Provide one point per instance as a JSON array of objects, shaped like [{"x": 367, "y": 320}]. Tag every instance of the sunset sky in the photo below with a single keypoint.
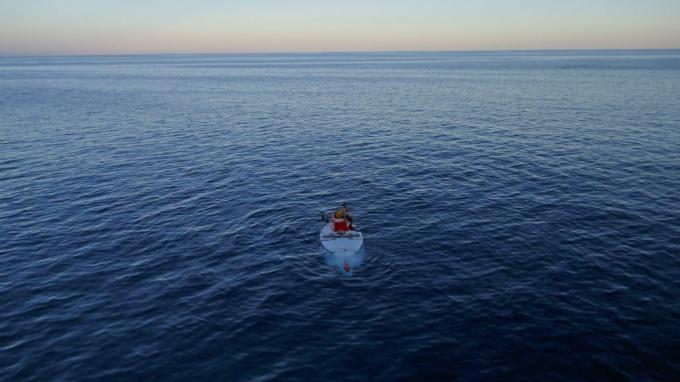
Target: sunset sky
[{"x": 211, "y": 26}]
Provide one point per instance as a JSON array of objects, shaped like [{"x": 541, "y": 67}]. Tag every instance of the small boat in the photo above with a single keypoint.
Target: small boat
[{"x": 338, "y": 235}]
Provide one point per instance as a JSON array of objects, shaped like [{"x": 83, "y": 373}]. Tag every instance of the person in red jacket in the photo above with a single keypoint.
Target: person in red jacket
[{"x": 341, "y": 220}]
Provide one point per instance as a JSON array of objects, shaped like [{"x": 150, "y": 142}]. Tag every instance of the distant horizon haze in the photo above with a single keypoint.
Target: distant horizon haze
[
  {"x": 332, "y": 52},
  {"x": 42, "y": 27}
]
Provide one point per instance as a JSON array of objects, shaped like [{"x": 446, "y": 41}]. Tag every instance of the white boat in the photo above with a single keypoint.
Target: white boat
[{"x": 347, "y": 242}]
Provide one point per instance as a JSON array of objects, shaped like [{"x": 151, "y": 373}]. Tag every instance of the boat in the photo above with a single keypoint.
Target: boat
[{"x": 339, "y": 235}]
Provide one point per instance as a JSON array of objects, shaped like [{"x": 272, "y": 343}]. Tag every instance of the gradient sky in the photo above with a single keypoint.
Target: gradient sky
[{"x": 185, "y": 26}]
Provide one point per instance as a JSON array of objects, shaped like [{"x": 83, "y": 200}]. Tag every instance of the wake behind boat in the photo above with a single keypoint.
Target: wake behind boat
[{"x": 339, "y": 235}]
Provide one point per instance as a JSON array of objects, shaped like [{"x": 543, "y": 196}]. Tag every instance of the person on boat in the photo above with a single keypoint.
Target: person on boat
[
  {"x": 339, "y": 222},
  {"x": 340, "y": 219}
]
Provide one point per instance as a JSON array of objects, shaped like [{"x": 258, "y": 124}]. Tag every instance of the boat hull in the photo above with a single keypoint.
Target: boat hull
[{"x": 348, "y": 242}]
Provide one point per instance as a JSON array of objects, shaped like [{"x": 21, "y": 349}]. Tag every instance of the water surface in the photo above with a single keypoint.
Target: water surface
[{"x": 521, "y": 212}]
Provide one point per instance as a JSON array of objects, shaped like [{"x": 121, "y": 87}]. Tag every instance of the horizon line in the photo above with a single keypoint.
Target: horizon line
[{"x": 301, "y": 52}]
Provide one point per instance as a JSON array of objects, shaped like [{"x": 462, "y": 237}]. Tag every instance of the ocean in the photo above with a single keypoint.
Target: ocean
[{"x": 160, "y": 217}]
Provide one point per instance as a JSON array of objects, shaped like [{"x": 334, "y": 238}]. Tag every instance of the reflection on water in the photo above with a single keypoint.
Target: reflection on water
[{"x": 346, "y": 262}]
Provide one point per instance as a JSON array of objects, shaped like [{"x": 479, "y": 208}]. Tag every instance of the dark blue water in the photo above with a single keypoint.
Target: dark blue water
[{"x": 159, "y": 217}]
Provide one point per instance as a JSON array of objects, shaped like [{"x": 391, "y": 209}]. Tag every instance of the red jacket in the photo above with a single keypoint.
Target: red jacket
[{"x": 339, "y": 225}]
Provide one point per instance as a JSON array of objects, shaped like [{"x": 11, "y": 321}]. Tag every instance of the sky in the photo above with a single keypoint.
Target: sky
[{"x": 210, "y": 26}]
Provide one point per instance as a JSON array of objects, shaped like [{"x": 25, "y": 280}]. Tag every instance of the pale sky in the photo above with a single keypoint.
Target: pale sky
[{"x": 212, "y": 26}]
